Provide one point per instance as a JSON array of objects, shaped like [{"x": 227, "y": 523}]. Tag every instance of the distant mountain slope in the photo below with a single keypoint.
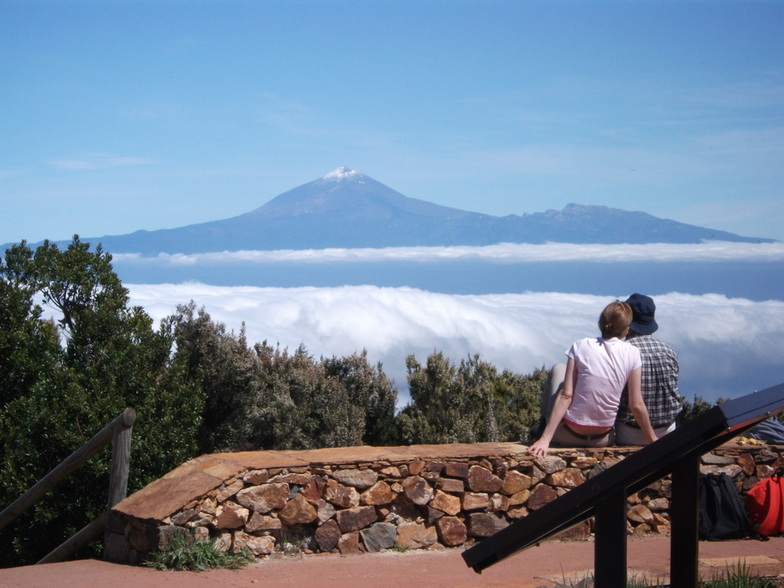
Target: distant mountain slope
[{"x": 347, "y": 209}]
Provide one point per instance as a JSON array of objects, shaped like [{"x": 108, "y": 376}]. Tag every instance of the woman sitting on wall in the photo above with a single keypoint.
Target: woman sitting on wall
[{"x": 585, "y": 394}]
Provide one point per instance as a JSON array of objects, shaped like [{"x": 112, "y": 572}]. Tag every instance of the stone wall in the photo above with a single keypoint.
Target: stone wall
[{"x": 391, "y": 501}]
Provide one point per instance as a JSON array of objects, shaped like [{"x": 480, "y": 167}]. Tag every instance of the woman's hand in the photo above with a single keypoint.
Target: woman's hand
[{"x": 539, "y": 448}]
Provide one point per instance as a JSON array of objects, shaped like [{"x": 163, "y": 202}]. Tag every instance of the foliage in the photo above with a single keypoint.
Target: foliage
[
  {"x": 692, "y": 410},
  {"x": 71, "y": 375},
  {"x": 197, "y": 556},
  {"x": 74, "y": 355},
  {"x": 468, "y": 403},
  {"x": 737, "y": 576},
  {"x": 268, "y": 398}
]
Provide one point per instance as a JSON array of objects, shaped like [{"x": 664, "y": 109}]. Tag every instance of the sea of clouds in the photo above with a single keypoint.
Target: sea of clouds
[
  {"x": 727, "y": 346},
  {"x": 710, "y": 251},
  {"x": 721, "y": 305}
]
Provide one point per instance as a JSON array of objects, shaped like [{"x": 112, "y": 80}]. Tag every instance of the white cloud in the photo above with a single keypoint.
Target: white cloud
[
  {"x": 728, "y": 347},
  {"x": 503, "y": 253},
  {"x": 92, "y": 161}
]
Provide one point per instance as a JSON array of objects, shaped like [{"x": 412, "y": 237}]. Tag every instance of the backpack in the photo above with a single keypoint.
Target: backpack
[
  {"x": 765, "y": 505},
  {"x": 722, "y": 513}
]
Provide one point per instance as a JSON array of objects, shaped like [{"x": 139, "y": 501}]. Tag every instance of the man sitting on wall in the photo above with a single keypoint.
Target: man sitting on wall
[{"x": 659, "y": 377}]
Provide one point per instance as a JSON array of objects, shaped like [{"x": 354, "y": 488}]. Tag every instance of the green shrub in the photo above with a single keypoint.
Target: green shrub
[{"x": 196, "y": 556}]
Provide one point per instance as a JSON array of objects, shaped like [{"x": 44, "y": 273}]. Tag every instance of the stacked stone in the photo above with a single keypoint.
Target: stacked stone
[
  {"x": 444, "y": 502},
  {"x": 376, "y": 506}
]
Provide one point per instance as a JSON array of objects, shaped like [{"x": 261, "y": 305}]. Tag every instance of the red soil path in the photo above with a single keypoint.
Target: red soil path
[{"x": 542, "y": 566}]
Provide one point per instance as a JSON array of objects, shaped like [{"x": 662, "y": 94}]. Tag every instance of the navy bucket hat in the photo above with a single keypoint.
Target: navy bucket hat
[{"x": 643, "y": 321}]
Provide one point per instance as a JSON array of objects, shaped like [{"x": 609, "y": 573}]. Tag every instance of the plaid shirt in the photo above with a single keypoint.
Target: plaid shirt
[{"x": 659, "y": 383}]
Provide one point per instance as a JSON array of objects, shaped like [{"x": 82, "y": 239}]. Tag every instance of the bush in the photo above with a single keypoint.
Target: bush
[{"x": 182, "y": 553}]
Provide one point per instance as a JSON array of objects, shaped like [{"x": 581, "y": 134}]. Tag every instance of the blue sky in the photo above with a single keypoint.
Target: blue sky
[{"x": 125, "y": 115}]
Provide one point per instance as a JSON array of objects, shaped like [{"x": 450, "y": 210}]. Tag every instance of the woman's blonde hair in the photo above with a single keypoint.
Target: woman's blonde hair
[{"x": 615, "y": 319}]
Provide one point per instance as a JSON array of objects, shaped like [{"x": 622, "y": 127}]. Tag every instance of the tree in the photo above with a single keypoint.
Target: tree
[
  {"x": 109, "y": 358},
  {"x": 467, "y": 403}
]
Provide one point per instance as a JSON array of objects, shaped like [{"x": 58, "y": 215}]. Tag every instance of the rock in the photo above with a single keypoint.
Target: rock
[
  {"x": 713, "y": 459},
  {"x": 415, "y": 536},
  {"x": 417, "y": 490},
  {"x": 579, "y": 532},
  {"x": 551, "y": 464},
  {"x": 356, "y": 478},
  {"x": 515, "y": 482},
  {"x": 483, "y": 480},
  {"x": 640, "y": 514},
  {"x": 456, "y": 469},
  {"x": 313, "y": 491},
  {"x": 764, "y": 471},
  {"x": 517, "y": 513},
  {"x": 208, "y": 506},
  {"x": 325, "y": 510},
  {"x": 227, "y": 492},
  {"x": 327, "y": 535},
  {"x": 451, "y": 485},
  {"x": 746, "y": 463},
  {"x": 566, "y": 478},
  {"x": 415, "y": 467},
  {"x": 183, "y": 517},
  {"x": 353, "y": 519},
  {"x": 256, "y": 477},
  {"x": 392, "y": 472},
  {"x": 433, "y": 514},
  {"x": 541, "y": 495},
  {"x": 475, "y": 501},
  {"x": 223, "y": 542},
  {"x": 452, "y": 531},
  {"x": 584, "y": 462},
  {"x": 263, "y": 545},
  {"x": 658, "y": 504},
  {"x": 298, "y": 511},
  {"x": 231, "y": 515},
  {"x": 446, "y": 503},
  {"x": 432, "y": 470},
  {"x": 349, "y": 544},
  {"x": 500, "y": 503},
  {"x": 342, "y": 496},
  {"x": 378, "y": 536},
  {"x": 519, "y": 498},
  {"x": 642, "y": 530},
  {"x": 289, "y": 478},
  {"x": 378, "y": 494},
  {"x": 259, "y": 523},
  {"x": 484, "y": 524},
  {"x": 264, "y": 498}
]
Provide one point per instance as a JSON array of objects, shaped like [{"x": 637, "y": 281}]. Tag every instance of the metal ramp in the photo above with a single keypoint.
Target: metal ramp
[{"x": 604, "y": 496}]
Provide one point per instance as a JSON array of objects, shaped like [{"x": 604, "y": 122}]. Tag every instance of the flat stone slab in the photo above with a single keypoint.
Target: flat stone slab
[{"x": 196, "y": 477}]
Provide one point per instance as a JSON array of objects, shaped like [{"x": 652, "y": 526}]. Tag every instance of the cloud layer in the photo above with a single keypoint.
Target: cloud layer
[
  {"x": 503, "y": 253},
  {"x": 727, "y": 346}
]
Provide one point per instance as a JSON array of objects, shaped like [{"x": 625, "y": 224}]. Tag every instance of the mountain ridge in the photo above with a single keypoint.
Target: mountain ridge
[{"x": 347, "y": 209}]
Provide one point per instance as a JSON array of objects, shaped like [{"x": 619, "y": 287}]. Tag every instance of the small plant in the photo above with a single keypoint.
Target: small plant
[
  {"x": 738, "y": 576},
  {"x": 196, "y": 556}
]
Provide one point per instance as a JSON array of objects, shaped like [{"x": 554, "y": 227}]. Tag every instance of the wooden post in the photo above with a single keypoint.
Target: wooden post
[
  {"x": 121, "y": 457},
  {"x": 67, "y": 466}
]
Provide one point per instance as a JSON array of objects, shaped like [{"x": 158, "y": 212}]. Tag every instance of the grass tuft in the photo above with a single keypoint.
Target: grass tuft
[{"x": 196, "y": 556}]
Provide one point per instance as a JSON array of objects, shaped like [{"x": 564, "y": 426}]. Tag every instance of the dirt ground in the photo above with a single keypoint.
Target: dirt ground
[{"x": 546, "y": 565}]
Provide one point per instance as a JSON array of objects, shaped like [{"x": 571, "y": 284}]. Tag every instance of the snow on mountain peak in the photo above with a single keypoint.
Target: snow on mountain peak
[{"x": 342, "y": 173}]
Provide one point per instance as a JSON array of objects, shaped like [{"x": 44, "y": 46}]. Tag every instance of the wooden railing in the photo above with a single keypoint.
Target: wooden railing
[{"x": 118, "y": 432}]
